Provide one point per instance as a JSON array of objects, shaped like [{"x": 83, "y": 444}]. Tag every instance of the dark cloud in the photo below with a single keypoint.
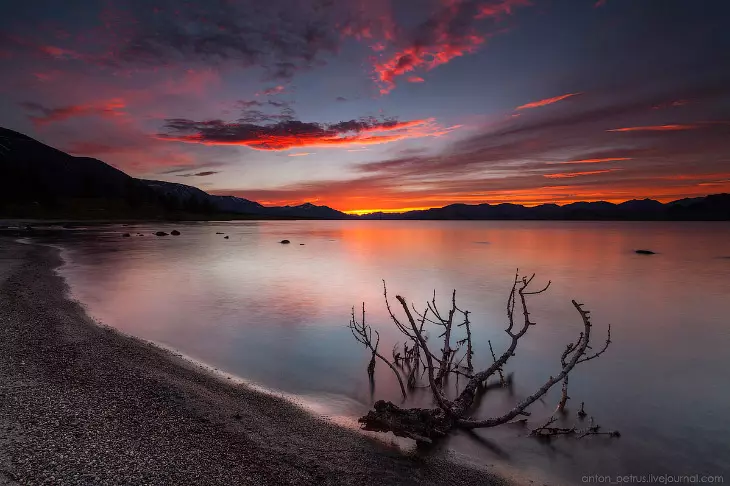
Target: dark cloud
[
  {"x": 200, "y": 174},
  {"x": 283, "y": 135},
  {"x": 281, "y": 37},
  {"x": 244, "y": 104},
  {"x": 279, "y": 104},
  {"x": 42, "y": 115}
]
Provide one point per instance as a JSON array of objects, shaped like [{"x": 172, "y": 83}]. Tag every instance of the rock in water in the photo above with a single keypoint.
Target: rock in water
[
  {"x": 160, "y": 233},
  {"x": 175, "y": 233},
  {"x": 645, "y": 252},
  {"x": 225, "y": 237},
  {"x": 126, "y": 235},
  {"x": 285, "y": 242}
]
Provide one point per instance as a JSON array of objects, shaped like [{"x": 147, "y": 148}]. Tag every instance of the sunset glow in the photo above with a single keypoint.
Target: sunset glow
[{"x": 381, "y": 105}]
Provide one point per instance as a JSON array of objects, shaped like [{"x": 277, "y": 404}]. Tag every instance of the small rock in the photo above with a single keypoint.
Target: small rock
[
  {"x": 160, "y": 233},
  {"x": 225, "y": 237},
  {"x": 219, "y": 233},
  {"x": 301, "y": 244},
  {"x": 175, "y": 233},
  {"x": 285, "y": 242},
  {"x": 126, "y": 235},
  {"x": 238, "y": 416},
  {"x": 645, "y": 252}
]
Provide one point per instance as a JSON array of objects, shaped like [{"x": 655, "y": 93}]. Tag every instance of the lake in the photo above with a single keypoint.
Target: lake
[{"x": 277, "y": 315}]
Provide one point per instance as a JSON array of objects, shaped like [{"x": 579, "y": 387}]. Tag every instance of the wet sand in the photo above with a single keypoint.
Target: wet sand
[{"x": 84, "y": 404}]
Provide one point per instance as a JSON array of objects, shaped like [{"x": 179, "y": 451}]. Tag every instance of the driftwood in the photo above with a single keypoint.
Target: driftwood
[{"x": 452, "y": 412}]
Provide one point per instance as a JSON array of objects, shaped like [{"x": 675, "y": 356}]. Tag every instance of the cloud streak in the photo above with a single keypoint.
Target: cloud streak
[
  {"x": 657, "y": 128},
  {"x": 200, "y": 174},
  {"x": 546, "y": 102},
  {"x": 43, "y": 115},
  {"x": 568, "y": 175},
  {"x": 594, "y": 161}
]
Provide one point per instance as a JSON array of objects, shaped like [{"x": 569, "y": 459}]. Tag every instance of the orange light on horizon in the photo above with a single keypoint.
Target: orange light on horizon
[{"x": 388, "y": 201}]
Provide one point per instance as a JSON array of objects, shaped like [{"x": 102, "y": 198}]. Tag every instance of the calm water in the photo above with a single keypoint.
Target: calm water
[{"x": 277, "y": 314}]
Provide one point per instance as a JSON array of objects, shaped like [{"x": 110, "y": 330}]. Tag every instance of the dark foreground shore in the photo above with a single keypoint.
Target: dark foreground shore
[{"x": 82, "y": 404}]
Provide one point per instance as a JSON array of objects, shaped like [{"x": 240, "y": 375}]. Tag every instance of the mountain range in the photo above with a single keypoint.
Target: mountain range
[{"x": 39, "y": 181}]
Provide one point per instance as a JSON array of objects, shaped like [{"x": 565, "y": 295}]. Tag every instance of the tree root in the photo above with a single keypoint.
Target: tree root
[{"x": 419, "y": 424}]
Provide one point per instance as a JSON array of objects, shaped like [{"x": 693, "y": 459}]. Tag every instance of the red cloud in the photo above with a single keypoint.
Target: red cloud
[
  {"x": 445, "y": 36},
  {"x": 272, "y": 91},
  {"x": 416, "y": 79},
  {"x": 60, "y": 53},
  {"x": 411, "y": 58},
  {"x": 567, "y": 175},
  {"x": 505, "y": 7},
  {"x": 301, "y": 154},
  {"x": 296, "y": 134},
  {"x": 594, "y": 161},
  {"x": 656, "y": 128},
  {"x": 108, "y": 108},
  {"x": 545, "y": 102}
]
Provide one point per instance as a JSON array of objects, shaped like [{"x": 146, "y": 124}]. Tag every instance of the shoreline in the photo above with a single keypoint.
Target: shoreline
[{"x": 82, "y": 403}]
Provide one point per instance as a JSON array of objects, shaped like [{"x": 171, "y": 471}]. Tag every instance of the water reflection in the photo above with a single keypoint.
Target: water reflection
[{"x": 277, "y": 314}]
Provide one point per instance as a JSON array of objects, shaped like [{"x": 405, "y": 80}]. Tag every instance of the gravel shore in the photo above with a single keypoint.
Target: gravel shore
[{"x": 83, "y": 404}]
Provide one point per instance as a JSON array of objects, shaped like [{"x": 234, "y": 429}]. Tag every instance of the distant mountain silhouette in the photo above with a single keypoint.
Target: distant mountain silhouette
[
  {"x": 709, "y": 208},
  {"x": 38, "y": 181},
  {"x": 42, "y": 182}
]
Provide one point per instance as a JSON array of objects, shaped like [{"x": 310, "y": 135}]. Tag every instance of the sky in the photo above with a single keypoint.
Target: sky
[{"x": 367, "y": 105}]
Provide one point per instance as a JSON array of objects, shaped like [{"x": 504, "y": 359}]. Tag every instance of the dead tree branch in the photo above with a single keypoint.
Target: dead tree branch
[
  {"x": 425, "y": 425},
  {"x": 364, "y": 334}
]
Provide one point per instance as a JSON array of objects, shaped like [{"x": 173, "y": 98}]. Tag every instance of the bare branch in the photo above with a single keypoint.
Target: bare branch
[
  {"x": 520, "y": 408},
  {"x": 438, "y": 394},
  {"x": 465, "y": 399},
  {"x": 494, "y": 358},
  {"x": 603, "y": 350},
  {"x": 364, "y": 333},
  {"x": 469, "y": 349}
]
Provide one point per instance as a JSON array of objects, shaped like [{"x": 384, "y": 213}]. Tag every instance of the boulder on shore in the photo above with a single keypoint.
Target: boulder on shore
[
  {"x": 160, "y": 233},
  {"x": 645, "y": 252},
  {"x": 175, "y": 233},
  {"x": 285, "y": 242}
]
